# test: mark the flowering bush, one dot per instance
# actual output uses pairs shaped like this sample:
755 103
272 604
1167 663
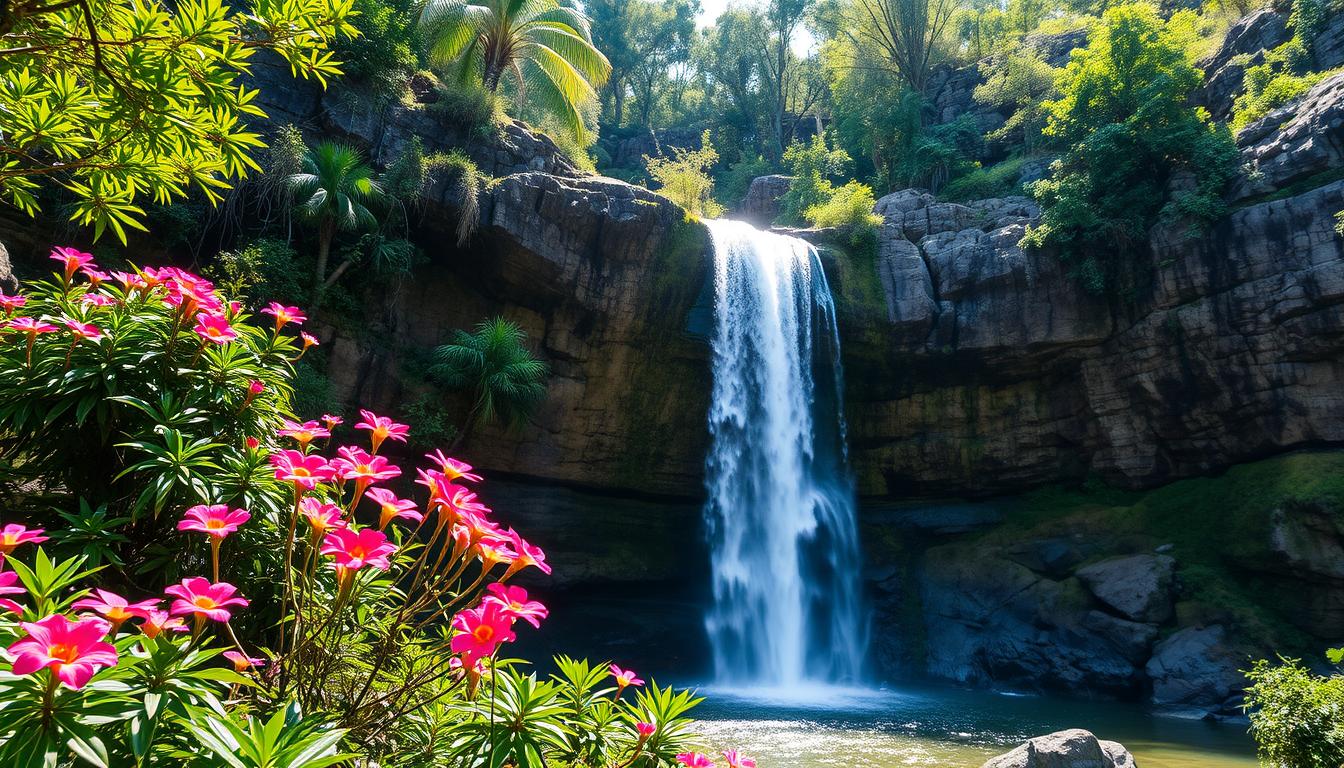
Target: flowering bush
386 611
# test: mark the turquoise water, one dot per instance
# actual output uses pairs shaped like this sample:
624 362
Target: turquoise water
947 728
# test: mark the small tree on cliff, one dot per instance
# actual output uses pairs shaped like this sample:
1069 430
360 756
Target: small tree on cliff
492 362
335 191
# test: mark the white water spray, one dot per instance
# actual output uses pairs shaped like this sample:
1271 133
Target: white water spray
785 557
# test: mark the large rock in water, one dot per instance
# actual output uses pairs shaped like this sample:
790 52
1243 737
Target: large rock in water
1074 748
1138 586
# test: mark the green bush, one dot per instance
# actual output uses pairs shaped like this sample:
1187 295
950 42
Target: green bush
734 184
849 206
813 166
684 178
997 180
1297 717
383 54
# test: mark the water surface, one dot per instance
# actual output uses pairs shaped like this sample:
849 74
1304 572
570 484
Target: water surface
947 728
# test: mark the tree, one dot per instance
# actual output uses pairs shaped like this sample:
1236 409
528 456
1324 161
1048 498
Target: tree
779 64
907 36
1019 81
1295 714
335 192
1124 116
492 362
117 102
643 40
546 47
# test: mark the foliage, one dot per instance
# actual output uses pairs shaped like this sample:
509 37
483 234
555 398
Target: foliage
126 102
904 37
383 54
1267 90
685 178
265 267
1123 114
643 40
1339 223
1297 717
734 184
505 382
544 45
849 206
813 166
998 180
1020 82
123 403
431 424
336 191
467 105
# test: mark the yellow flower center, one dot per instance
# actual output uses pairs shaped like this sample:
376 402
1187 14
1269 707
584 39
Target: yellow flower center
65 652
201 601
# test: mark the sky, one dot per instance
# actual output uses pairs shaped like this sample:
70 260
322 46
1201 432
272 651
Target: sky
710 10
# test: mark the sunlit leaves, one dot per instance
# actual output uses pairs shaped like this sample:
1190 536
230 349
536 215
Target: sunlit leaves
154 109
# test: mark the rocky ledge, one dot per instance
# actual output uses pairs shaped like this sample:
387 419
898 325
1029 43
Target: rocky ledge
1065 749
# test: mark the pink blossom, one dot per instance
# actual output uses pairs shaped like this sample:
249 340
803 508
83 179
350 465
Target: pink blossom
284 315
309 340
481 630
114 607
95 275
381 428
513 600
356 464
161 621
645 730
624 677
695 760
71 260
736 760
243 663
390 507
304 471
527 555
213 520
30 326
453 469
7 580
197 596
96 300
332 421
303 433
214 328
72 650
352 550
256 387
12 535
83 330
11 303
321 515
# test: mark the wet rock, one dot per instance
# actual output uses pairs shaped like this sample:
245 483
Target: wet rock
1138 586
1065 749
761 206
1197 671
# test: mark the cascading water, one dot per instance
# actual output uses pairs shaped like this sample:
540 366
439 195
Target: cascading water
787 596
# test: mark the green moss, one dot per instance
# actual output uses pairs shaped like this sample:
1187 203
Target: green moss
1296 188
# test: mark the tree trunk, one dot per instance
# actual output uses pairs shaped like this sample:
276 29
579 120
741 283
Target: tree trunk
325 234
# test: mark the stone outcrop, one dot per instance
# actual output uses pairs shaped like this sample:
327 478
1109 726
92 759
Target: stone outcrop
1294 142
1245 45
1065 749
1138 586
761 205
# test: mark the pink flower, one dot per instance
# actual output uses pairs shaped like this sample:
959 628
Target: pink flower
321 515
695 760
453 469
736 760
95 275
332 421
527 555
381 428
83 330
243 663
624 677
72 650
302 470
7 587
30 326
252 443
199 597
12 535
309 340
114 607
161 621
645 730
71 260
284 315
256 387
513 601
213 520
303 433
96 300
352 550
11 303
390 507
214 328
355 464
481 630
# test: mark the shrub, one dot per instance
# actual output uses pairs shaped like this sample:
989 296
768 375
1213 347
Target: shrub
684 178
1297 717
849 206
1020 81
736 182
997 180
813 166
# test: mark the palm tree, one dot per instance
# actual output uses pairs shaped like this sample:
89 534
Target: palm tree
335 191
545 46
507 383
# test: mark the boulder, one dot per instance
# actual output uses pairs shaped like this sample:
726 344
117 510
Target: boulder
1074 748
761 205
1138 586
1197 671
1296 141
7 280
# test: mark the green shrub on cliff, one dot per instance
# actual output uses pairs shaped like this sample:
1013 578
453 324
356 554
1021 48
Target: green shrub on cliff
494 366
684 178
1297 717
1125 118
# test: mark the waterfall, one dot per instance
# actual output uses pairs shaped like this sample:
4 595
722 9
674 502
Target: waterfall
785 557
